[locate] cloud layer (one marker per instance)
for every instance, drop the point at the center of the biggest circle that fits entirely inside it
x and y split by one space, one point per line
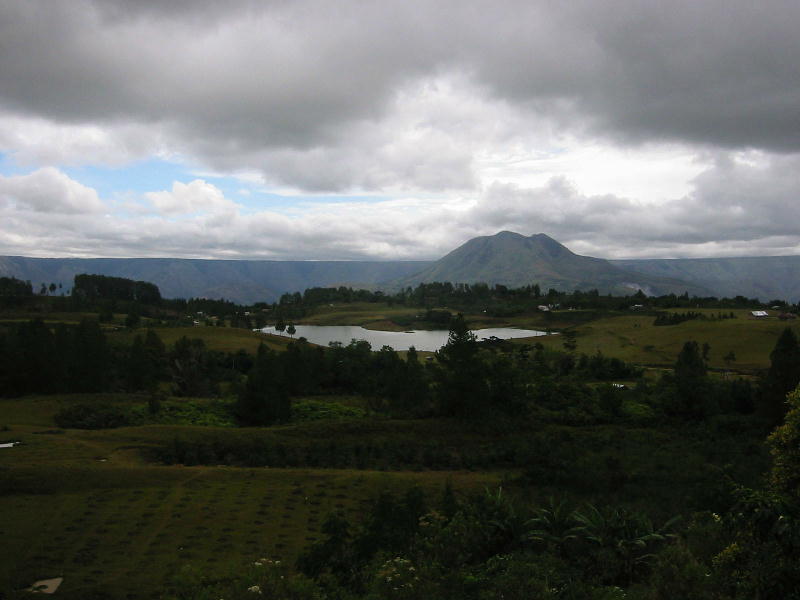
466 117
196 220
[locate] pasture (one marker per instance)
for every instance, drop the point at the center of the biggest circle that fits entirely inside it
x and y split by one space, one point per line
223 339
634 338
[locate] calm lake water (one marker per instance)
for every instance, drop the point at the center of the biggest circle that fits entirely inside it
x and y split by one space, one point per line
399 340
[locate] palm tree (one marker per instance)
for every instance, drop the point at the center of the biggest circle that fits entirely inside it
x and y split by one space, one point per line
554 525
629 537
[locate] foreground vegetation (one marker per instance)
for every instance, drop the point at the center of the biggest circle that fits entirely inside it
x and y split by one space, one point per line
152 460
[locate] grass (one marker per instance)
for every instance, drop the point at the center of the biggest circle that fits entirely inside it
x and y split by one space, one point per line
88 506
634 338
224 339
366 314
129 539
91 506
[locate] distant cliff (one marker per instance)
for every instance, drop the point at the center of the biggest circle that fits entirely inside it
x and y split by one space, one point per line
243 281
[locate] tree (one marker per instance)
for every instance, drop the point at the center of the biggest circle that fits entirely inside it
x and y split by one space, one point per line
291 330
461 386
784 445
144 365
691 395
264 400
690 364
156 354
783 376
133 319
280 326
191 368
761 562
89 368
569 343
137 366
11 286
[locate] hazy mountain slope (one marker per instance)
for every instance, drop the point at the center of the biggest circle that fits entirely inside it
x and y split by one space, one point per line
507 258
237 280
763 277
513 259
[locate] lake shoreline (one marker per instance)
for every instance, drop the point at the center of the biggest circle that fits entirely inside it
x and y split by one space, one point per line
421 339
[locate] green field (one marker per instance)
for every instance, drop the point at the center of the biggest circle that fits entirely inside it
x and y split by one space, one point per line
224 339
630 337
636 339
117 512
89 506
96 507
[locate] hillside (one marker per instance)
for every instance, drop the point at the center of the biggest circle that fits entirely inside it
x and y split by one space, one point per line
513 259
243 281
506 258
763 277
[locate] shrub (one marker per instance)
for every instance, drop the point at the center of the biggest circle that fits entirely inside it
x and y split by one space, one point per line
91 416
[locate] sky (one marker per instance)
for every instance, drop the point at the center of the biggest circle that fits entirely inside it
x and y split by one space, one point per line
386 130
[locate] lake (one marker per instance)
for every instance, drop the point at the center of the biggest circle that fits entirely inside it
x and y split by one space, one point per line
399 340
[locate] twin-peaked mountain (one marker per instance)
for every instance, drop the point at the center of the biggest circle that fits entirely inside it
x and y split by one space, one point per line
513 259
506 258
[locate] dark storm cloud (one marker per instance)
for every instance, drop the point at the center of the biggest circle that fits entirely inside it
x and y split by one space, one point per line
426 102
249 83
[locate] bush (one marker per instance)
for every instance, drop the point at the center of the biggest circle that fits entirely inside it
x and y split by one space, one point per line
91 416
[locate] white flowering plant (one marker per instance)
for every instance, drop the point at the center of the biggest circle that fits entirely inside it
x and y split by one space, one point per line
396 578
261 578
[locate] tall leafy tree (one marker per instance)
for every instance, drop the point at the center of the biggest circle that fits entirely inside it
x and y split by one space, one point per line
191 367
156 354
690 396
264 400
280 326
145 363
136 366
461 387
90 363
783 376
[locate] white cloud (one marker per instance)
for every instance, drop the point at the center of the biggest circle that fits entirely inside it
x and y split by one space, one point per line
647 129
42 141
187 198
48 190
743 204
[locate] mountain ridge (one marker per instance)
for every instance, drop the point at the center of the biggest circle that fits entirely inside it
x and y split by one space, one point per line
243 281
506 258
510 258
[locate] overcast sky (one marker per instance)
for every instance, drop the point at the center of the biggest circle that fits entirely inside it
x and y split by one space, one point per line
398 130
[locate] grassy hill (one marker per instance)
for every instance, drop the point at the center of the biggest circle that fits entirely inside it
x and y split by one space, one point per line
634 338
